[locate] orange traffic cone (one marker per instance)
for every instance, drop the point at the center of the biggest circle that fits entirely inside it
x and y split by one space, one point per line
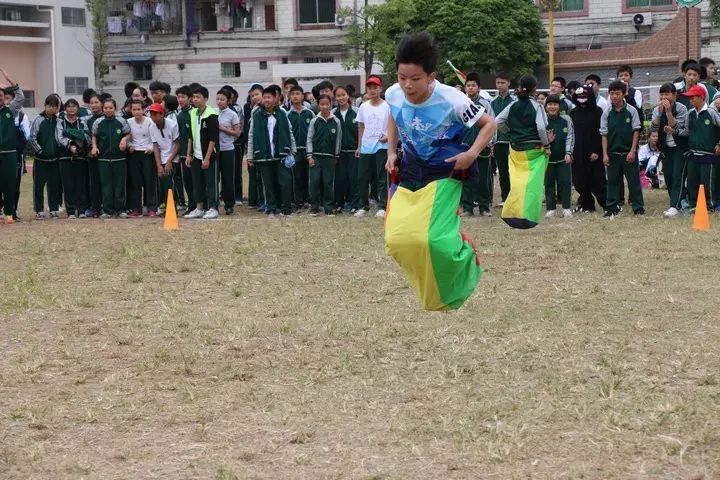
171 220
701 220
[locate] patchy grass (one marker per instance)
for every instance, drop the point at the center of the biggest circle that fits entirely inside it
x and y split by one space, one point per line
246 348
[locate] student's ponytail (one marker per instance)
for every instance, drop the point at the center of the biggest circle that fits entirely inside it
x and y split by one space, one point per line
526 87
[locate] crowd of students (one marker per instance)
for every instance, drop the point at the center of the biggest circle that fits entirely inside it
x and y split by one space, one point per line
325 151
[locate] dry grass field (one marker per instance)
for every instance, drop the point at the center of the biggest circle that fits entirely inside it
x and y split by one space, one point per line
246 348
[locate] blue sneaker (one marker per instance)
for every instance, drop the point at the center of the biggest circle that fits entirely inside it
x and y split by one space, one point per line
262 208
89 213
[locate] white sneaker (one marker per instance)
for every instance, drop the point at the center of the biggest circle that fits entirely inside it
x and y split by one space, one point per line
380 213
197 213
361 213
671 212
567 213
550 214
211 214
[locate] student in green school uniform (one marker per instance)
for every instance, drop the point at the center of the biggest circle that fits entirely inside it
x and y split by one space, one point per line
669 120
476 190
346 171
142 181
171 105
270 142
165 137
96 113
71 136
501 150
373 118
324 140
256 192
158 91
229 126
300 116
9 144
46 169
558 176
704 145
557 87
183 95
110 136
85 107
620 129
202 155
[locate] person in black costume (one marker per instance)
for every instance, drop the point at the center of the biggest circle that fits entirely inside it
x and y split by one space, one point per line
587 168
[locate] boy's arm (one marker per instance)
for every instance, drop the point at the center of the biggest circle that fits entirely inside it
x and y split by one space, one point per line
361 132
34 129
250 145
174 152
293 143
606 158
338 139
392 143
501 119
310 134
485 136
681 120
570 140
633 151
541 125
655 121
158 162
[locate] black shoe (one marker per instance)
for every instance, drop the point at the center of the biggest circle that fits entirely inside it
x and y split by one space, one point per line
639 211
610 213
229 211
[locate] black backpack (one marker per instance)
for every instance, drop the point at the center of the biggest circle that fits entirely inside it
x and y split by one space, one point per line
630 99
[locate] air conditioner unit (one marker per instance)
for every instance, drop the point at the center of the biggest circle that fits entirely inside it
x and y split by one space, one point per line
642 20
341 20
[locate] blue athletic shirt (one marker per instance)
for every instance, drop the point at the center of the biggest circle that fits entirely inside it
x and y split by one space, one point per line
443 116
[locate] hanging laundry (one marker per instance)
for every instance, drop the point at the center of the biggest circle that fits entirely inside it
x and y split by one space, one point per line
114 24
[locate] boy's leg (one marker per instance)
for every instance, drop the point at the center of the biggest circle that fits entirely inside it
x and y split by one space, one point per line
715 181
502 152
679 177
668 163
39 181
469 191
166 183
315 187
253 197
238 181
693 182
353 179
598 183
187 180
285 183
707 178
68 185
342 176
373 177
550 179
631 172
198 178
328 165
150 183
178 190
614 179
564 183
269 182
211 184
484 195
300 178
82 195
119 177
94 181
107 186
227 178
366 165
382 181
134 181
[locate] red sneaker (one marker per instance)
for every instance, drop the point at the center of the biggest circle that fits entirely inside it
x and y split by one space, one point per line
134 214
152 213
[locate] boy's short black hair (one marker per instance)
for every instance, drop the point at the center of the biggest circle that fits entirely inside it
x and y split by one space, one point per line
687 62
193 86
624 68
572 85
705 61
617 86
270 89
201 91
256 86
325 97
560 80
350 89
418 49
290 81
552 99
325 84
503 76
156 85
52 101
87 93
277 91
105 96
473 77
593 78
694 67
129 88
171 103
297 88
184 90
668 88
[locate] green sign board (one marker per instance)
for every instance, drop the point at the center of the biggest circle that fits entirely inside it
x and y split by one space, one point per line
688 3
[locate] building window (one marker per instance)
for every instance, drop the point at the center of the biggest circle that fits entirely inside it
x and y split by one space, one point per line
142 71
29 98
75 85
319 59
230 69
316 11
284 60
648 3
263 65
73 17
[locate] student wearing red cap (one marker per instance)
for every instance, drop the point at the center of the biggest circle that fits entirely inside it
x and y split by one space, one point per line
165 136
372 121
704 144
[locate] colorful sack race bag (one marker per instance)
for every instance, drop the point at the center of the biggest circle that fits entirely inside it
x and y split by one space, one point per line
422 234
523 206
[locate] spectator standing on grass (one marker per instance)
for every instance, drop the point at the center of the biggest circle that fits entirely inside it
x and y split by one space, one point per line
346 169
300 117
558 176
324 140
142 178
230 129
595 82
620 129
183 95
256 192
557 87
110 136
165 138
669 120
71 136
501 150
94 191
373 137
588 171
46 168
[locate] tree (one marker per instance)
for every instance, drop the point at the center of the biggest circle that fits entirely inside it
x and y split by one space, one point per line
98 18
373 33
484 35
